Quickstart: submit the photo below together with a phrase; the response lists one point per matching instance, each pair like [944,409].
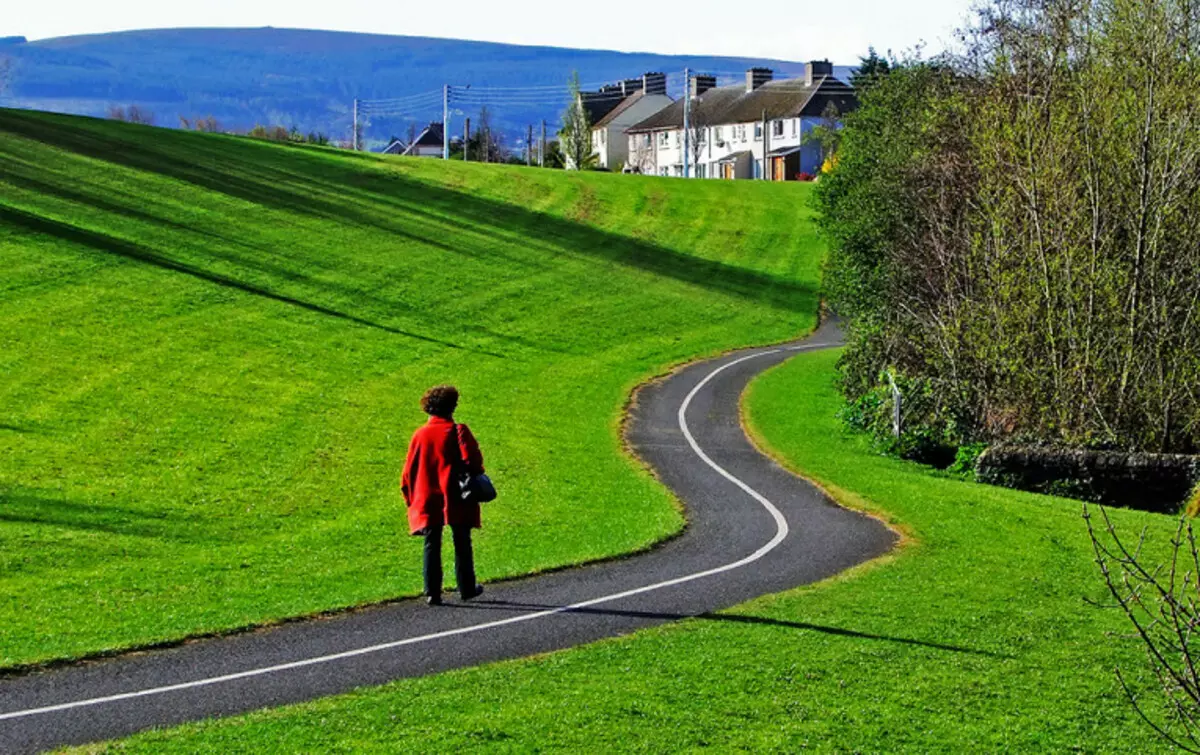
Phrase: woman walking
[440,451]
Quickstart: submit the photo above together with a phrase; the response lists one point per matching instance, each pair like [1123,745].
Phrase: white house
[755,130]
[427,144]
[641,98]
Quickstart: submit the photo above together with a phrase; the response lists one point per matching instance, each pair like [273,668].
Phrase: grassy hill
[975,636]
[212,351]
[308,78]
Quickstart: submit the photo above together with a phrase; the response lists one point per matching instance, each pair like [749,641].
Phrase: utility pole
[466,139]
[542,151]
[529,145]
[764,140]
[445,121]
[354,136]
[687,108]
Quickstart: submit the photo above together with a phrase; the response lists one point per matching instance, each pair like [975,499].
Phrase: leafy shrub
[965,458]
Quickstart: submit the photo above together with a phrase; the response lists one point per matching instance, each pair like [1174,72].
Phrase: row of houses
[756,129]
[751,130]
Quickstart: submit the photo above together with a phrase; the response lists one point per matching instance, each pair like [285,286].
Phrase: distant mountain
[309,79]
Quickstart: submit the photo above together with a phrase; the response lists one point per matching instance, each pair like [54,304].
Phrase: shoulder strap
[458,444]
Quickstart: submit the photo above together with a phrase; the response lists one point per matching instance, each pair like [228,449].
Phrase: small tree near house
[827,133]
[575,137]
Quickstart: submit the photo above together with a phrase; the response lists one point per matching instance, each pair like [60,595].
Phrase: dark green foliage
[871,68]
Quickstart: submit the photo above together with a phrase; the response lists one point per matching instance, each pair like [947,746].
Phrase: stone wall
[1150,482]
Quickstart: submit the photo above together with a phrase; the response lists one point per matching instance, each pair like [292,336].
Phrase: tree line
[1015,231]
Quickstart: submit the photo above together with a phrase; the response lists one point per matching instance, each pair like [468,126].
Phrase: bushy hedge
[1015,232]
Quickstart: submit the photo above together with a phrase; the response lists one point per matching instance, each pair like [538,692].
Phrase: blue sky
[792,29]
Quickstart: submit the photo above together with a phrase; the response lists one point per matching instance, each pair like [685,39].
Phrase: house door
[727,171]
[778,169]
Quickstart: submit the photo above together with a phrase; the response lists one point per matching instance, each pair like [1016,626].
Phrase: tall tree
[871,68]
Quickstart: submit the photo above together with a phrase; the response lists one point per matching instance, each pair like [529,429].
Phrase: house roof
[430,137]
[599,104]
[733,157]
[784,98]
[784,151]
[621,107]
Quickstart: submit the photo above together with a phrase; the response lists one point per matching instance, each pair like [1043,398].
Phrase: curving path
[753,528]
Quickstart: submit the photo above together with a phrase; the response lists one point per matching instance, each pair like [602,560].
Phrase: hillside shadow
[29,507]
[317,186]
[726,617]
[121,248]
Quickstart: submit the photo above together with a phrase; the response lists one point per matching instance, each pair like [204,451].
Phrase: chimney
[701,84]
[654,82]
[814,70]
[756,77]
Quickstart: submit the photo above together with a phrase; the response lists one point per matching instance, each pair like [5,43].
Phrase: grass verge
[212,350]
[975,637]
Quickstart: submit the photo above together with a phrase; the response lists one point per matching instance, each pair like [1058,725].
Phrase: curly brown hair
[440,401]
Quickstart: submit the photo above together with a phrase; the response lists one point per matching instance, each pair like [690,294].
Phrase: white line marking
[781,533]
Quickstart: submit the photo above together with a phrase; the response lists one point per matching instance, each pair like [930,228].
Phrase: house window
[663,171]
[677,170]
[740,132]
[663,137]
[758,132]
[776,128]
[718,132]
[795,122]
[700,170]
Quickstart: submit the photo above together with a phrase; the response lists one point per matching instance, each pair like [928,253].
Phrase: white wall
[614,146]
[733,138]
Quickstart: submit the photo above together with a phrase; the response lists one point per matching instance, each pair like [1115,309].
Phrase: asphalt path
[753,528]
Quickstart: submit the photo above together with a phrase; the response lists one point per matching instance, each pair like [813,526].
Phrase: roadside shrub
[925,434]
[1065,315]
[803,176]
[965,458]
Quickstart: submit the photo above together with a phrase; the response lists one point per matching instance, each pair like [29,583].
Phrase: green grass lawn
[974,636]
[212,350]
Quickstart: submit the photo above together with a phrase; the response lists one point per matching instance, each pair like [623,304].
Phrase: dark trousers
[464,560]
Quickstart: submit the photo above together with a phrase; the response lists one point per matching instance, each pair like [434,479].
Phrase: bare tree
[131,114]
[699,121]
[6,74]
[1161,603]
[641,154]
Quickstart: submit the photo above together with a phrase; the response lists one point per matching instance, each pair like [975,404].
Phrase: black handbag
[472,488]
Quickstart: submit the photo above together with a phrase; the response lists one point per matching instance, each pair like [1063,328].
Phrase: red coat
[433,456]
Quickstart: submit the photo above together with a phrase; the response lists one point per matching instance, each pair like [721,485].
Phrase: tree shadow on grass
[31,507]
[316,185]
[725,617]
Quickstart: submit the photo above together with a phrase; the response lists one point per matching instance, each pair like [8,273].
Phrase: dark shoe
[475,594]
[433,600]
